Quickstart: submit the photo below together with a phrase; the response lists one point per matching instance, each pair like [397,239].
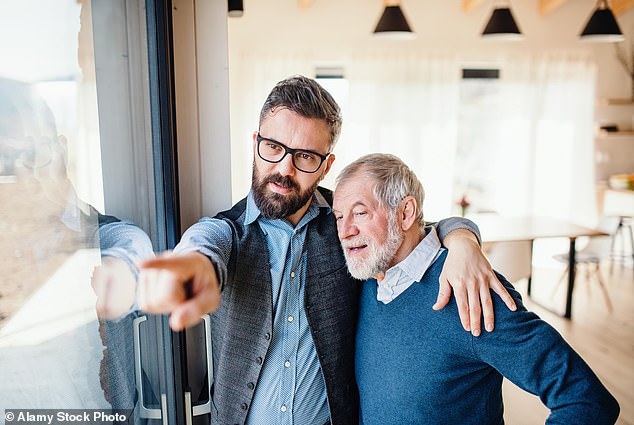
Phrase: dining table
[500,228]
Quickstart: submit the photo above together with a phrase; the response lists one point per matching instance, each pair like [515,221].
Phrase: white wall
[330,31]
[202,107]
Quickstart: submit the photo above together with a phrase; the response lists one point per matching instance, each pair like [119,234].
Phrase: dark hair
[305,97]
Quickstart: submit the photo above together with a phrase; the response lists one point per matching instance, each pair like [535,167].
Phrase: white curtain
[544,156]
[406,105]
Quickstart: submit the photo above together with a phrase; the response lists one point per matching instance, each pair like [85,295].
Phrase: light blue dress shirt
[291,388]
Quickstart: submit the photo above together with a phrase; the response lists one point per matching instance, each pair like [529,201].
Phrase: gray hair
[305,97]
[393,181]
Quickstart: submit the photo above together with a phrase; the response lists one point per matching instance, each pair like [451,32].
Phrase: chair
[590,256]
[512,259]
[624,230]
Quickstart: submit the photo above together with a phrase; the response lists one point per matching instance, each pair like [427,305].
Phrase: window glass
[76,195]
[338,86]
[477,138]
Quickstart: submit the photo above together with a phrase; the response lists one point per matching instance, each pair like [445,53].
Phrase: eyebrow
[354,205]
[269,138]
[297,149]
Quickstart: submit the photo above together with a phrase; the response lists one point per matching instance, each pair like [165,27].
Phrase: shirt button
[258,360]
[287,363]
[283,408]
[243,406]
[290,318]
[292,275]
[250,385]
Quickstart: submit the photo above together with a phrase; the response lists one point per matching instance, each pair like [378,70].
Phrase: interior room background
[520,144]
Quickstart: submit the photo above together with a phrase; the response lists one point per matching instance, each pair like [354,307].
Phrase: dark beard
[274,205]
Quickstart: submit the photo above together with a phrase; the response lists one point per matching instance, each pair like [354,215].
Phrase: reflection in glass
[63,259]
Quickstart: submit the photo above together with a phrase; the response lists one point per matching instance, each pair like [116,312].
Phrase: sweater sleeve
[533,355]
[448,225]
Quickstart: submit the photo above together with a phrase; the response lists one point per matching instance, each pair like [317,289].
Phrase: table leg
[572,261]
[530,276]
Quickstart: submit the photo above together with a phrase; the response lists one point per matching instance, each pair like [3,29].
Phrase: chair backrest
[609,224]
[601,246]
[511,259]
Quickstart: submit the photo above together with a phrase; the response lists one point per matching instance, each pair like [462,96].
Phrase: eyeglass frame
[292,151]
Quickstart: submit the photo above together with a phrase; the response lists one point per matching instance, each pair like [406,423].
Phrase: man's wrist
[460,236]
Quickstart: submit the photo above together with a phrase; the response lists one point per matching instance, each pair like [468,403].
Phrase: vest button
[267,336]
[258,360]
[250,385]
[243,406]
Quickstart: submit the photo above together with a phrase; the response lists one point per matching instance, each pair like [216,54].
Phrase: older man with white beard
[417,366]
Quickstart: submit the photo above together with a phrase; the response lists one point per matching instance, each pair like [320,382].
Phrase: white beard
[379,257]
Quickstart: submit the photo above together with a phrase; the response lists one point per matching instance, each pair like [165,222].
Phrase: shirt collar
[318,202]
[418,261]
[411,270]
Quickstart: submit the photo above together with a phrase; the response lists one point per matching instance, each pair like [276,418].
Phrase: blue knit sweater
[415,365]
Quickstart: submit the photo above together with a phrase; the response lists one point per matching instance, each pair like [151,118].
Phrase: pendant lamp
[501,25]
[393,23]
[236,8]
[602,25]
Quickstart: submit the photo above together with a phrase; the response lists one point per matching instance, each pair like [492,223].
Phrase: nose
[285,166]
[346,229]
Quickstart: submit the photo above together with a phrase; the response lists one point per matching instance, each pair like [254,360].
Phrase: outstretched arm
[469,274]
[188,282]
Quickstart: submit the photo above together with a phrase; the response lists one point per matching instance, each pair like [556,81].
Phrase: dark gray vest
[243,325]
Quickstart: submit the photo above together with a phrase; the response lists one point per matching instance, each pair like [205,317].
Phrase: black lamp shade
[602,26]
[236,8]
[393,23]
[502,25]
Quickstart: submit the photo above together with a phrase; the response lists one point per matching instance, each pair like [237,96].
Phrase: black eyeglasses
[304,160]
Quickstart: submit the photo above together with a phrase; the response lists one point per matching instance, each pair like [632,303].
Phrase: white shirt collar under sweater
[402,275]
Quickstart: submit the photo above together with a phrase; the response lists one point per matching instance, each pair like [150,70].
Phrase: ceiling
[544,6]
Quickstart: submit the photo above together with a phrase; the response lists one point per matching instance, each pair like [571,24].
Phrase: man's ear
[329,161]
[408,212]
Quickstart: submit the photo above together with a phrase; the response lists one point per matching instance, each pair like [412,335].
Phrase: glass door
[87,189]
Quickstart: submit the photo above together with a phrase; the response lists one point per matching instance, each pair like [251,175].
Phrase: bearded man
[283,335]
[415,365]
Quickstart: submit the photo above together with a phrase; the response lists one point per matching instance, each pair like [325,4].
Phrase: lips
[279,188]
[353,248]
[281,184]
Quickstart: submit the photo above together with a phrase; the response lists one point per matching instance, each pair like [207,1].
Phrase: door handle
[205,408]
[144,411]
